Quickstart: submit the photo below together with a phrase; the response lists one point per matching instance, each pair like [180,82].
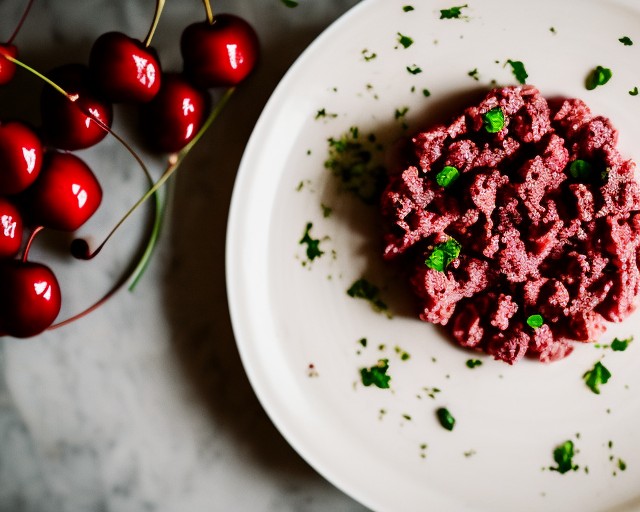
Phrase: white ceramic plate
[384,446]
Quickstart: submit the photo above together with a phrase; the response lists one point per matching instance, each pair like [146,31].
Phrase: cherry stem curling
[207,8]
[21,22]
[154,24]
[25,254]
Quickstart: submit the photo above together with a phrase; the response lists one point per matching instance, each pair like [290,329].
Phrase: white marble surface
[144,404]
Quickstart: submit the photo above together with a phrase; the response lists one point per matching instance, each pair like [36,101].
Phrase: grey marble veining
[144,404]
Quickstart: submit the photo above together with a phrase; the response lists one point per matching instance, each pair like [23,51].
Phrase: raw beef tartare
[520,223]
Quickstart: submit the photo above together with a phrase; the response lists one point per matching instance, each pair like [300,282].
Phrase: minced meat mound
[544,212]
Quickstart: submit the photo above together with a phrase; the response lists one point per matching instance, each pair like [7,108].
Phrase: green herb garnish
[626,41]
[493,120]
[580,169]
[404,355]
[351,160]
[472,363]
[598,76]
[405,41]
[376,375]
[619,345]
[368,55]
[447,176]
[535,321]
[313,244]
[290,3]
[622,465]
[634,91]
[414,70]
[518,70]
[322,114]
[443,254]
[474,74]
[407,8]
[363,289]
[426,92]
[563,456]
[445,418]
[452,12]
[596,377]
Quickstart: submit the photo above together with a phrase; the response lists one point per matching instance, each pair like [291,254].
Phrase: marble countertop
[144,404]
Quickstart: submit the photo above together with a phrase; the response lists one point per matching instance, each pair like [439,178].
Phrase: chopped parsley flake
[552,30]
[443,254]
[634,91]
[405,41]
[598,76]
[518,70]
[474,74]
[323,114]
[401,112]
[563,457]
[447,176]
[597,376]
[431,392]
[622,465]
[351,160]
[452,12]
[404,355]
[626,41]
[326,210]
[493,120]
[472,363]
[407,8]
[445,418]
[363,342]
[535,321]
[414,70]
[290,3]
[368,55]
[426,92]
[313,244]
[618,345]
[363,289]
[376,375]
[580,169]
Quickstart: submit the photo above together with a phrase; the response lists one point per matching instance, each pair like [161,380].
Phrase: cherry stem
[154,24]
[207,8]
[174,163]
[27,248]
[71,97]
[21,22]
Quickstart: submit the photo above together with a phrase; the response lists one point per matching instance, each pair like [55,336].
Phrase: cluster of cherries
[44,185]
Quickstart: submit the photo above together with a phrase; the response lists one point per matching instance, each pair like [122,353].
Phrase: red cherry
[29,298]
[175,115]
[124,69]
[21,157]
[65,124]
[7,68]
[65,194]
[10,229]
[221,53]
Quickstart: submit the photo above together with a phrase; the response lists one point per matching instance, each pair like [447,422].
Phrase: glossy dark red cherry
[10,229]
[65,123]
[124,69]
[20,157]
[221,53]
[65,195]
[30,298]
[7,68]
[175,115]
